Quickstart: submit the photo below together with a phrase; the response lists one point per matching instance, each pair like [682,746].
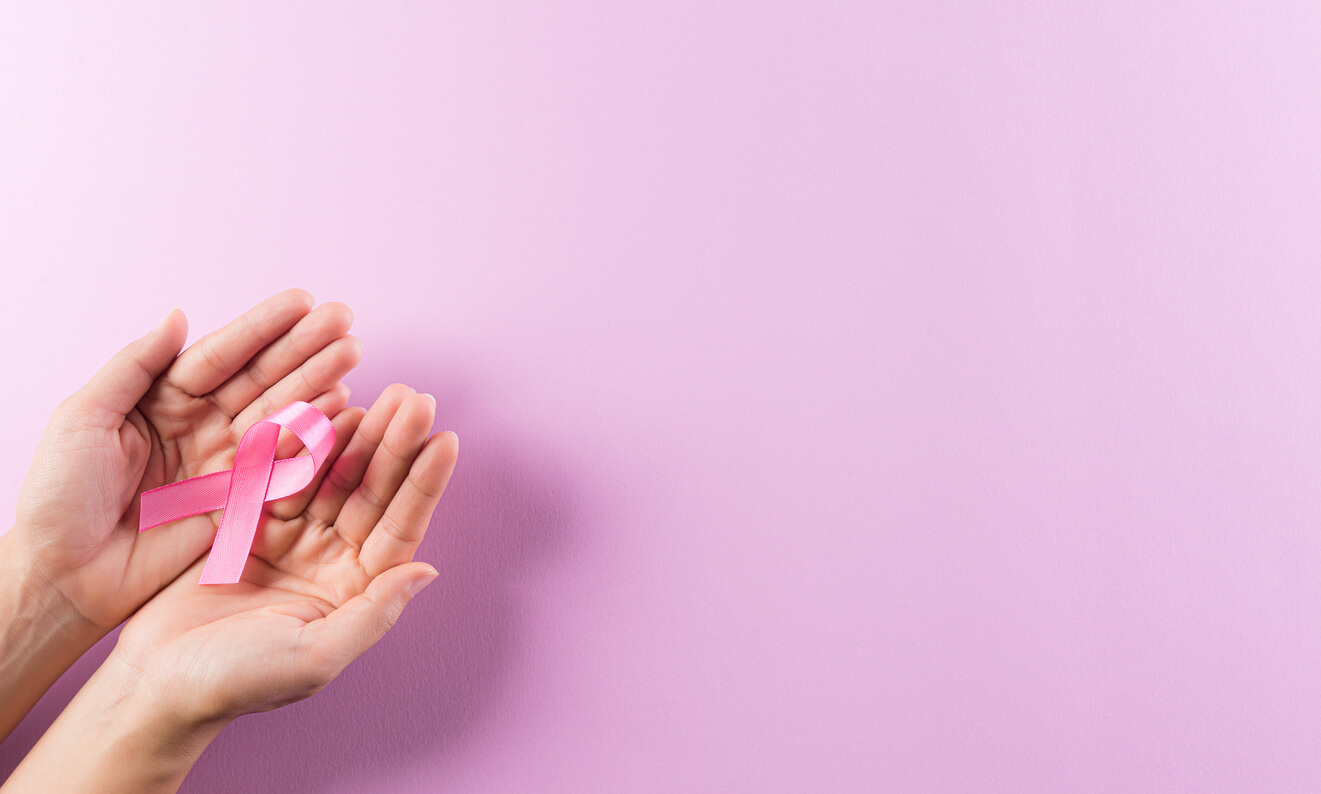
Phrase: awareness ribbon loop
[257,477]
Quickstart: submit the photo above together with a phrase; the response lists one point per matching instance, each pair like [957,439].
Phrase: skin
[330,572]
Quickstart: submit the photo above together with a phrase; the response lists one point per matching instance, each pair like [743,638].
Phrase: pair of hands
[331,568]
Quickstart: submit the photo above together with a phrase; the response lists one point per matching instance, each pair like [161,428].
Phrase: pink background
[853,396]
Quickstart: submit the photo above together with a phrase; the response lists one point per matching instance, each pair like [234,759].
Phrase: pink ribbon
[257,477]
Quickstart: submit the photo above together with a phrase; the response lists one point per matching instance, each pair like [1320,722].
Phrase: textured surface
[853,396]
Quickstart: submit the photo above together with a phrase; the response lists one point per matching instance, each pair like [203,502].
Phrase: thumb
[122,382]
[364,619]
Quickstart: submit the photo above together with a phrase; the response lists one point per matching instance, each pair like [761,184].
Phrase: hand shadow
[425,688]
[30,730]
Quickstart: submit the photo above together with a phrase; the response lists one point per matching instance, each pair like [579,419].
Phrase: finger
[122,382]
[318,374]
[330,402]
[395,538]
[347,632]
[324,325]
[346,424]
[388,469]
[348,468]
[214,358]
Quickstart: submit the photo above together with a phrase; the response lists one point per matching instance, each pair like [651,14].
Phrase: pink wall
[853,397]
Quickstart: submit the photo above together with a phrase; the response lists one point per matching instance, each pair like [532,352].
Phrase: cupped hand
[153,416]
[330,571]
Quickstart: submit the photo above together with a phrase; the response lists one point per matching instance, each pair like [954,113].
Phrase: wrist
[44,602]
[153,698]
[116,735]
[138,716]
[41,633]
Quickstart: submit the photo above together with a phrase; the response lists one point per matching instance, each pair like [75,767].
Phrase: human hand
[330,571]
[148,419]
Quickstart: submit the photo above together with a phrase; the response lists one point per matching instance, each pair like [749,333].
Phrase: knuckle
[427,492]
[371,497]
[385,621]
[391,527]
[206,346]
[338,480]
[257,374]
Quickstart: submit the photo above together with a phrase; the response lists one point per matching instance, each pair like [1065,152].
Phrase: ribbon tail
[253,463]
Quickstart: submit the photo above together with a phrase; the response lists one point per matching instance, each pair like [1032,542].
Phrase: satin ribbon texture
[257,477]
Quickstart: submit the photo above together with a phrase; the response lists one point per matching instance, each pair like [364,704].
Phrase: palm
[223,644]
[179,436]
[260,643]
[79,506]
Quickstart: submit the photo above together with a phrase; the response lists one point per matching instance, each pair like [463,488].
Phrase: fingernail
[415,586]
[431,398]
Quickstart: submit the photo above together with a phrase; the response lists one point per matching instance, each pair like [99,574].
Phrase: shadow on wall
[425,688]
[27,733]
